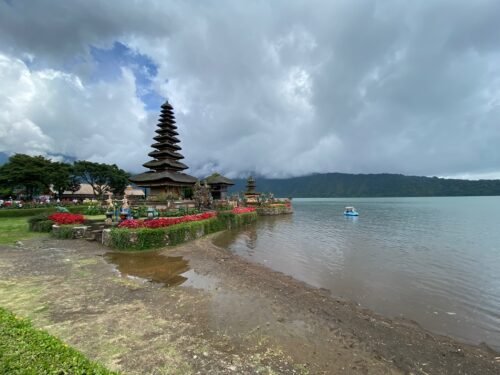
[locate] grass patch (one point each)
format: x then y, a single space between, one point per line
95 217
27 350
14 229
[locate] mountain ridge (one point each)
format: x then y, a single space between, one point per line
326 185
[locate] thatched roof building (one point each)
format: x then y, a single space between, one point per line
218 185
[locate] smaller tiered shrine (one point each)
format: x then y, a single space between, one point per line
251 195
218 186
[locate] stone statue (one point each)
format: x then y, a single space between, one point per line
111 206
125 203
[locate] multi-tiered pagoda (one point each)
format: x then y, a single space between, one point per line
165 174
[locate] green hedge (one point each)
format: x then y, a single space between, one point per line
233 221
40 223
147 238
27 350
24 212
42 226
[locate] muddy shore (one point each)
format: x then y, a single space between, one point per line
198 309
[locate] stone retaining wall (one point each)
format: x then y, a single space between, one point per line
108 241
70 232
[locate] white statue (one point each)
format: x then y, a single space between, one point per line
109 201
125 203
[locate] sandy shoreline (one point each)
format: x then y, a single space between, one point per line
229 316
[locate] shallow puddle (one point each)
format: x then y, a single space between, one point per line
155 267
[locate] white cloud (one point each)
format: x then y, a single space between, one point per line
281 88
52 112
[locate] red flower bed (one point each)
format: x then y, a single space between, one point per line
165 221
66 218
243 210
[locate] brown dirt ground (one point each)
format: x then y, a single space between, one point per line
229 317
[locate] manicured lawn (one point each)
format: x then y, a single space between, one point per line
27 350
14 229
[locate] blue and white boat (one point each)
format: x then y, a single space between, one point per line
350 211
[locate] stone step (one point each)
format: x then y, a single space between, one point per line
94 235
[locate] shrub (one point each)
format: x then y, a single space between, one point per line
242 210
40 223
94 209
67 218
24 212
141 238
27 350
76 209
42 226
141 211
245 218
232 219
179 212
147 238
224 207
35 219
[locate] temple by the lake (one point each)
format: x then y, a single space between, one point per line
165 175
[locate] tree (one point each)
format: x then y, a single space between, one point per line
6 192
62 178
202 195
29 173
101 177
118 179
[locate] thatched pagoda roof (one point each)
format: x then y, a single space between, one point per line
217 179
165 168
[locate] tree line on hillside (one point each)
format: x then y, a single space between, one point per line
36 175
370 185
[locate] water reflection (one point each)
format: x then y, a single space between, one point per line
153 266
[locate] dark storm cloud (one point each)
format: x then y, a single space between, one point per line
288 88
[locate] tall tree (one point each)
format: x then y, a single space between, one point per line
29 173
101 177
118 179
62 178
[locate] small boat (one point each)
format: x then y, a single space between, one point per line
350 211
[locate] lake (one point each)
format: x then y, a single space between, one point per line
433 260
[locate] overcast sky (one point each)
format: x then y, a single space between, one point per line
277 88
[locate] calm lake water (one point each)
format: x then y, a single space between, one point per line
432 260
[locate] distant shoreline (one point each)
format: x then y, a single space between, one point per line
371 186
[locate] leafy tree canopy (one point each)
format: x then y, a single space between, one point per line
35 175
62 178
102 177
28 173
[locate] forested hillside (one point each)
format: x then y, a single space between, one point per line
370 185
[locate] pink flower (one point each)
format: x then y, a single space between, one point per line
165 221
